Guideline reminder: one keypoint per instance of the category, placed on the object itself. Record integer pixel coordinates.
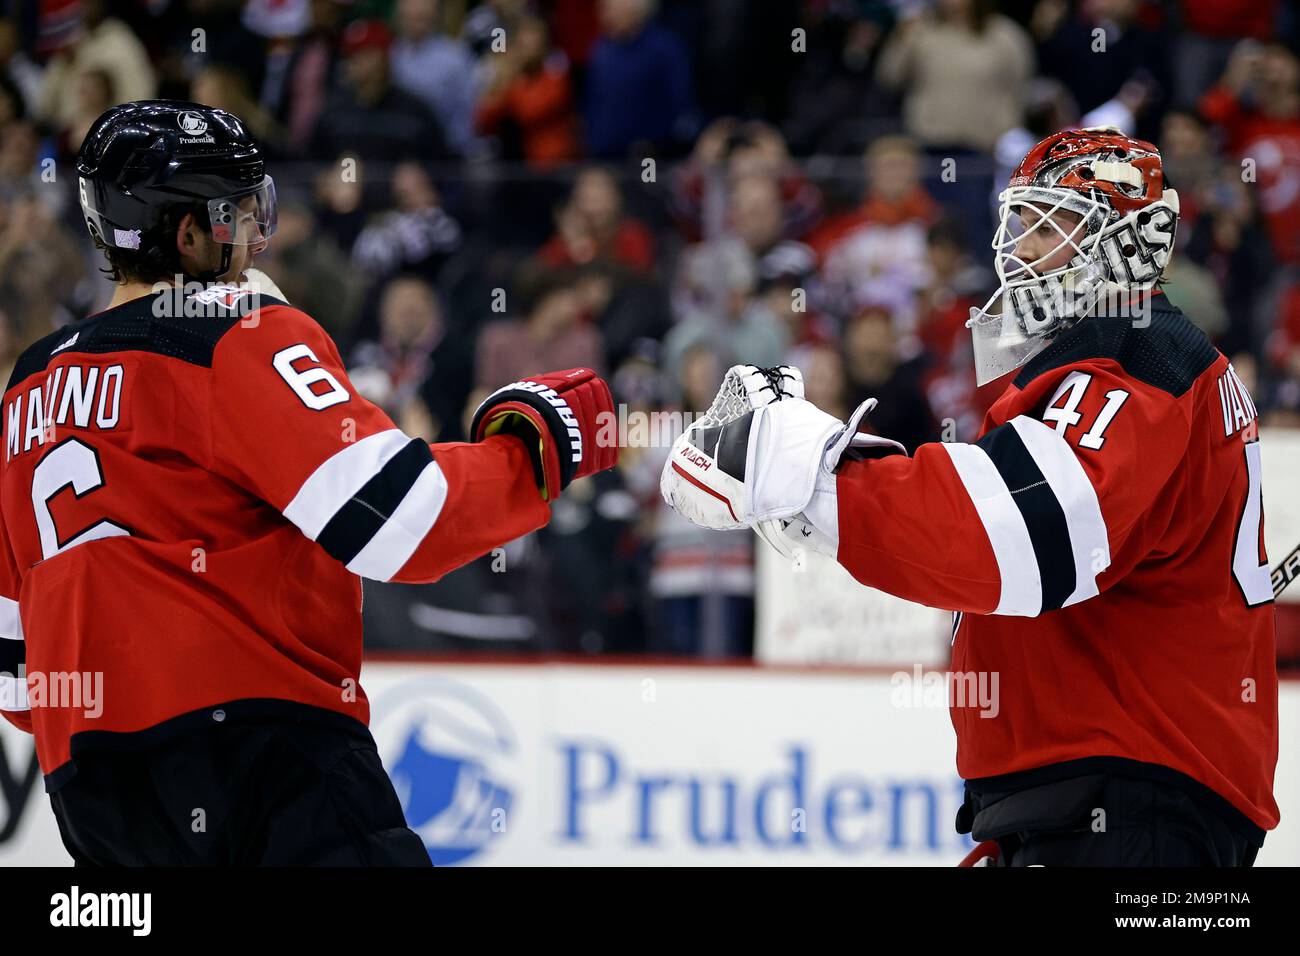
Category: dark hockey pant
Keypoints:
(266, 793)
(1108, 820)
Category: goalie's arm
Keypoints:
(908, 527)
(1028, 519)
(1023, 521)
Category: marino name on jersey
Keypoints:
(84, 396)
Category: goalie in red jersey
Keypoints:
(191, 492)
(1100, 542)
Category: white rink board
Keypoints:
(1280, 455)
(600, 764)
(812, 611)
(606, 763)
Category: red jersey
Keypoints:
(1103, 541)
(189, 504)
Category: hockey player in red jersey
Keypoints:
(191, 491)
(1100, 542)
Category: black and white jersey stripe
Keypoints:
(371, 504)
(13, 655)
(1040, 512)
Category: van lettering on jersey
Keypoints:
(1238, 409)
(78, 396)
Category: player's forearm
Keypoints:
(908, 528)
(492, 498)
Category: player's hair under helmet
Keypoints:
(1102, 199)
(141, 160)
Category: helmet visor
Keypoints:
(246, 218)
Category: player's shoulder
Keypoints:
(1157, 346)
(37, 356)
(274, 326)
(177, 323)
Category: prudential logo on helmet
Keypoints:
(193, 126)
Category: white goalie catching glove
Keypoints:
(764, 457)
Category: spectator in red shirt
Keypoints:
(591, 226)
(876, 252)
(895, 196)
(727, 152)
(531, 94)
(1257, 104)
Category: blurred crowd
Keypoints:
(473, 191)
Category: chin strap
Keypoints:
(211, 275)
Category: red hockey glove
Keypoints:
(558, 417)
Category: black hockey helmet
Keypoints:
(140, 159)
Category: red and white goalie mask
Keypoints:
(1087, 218)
